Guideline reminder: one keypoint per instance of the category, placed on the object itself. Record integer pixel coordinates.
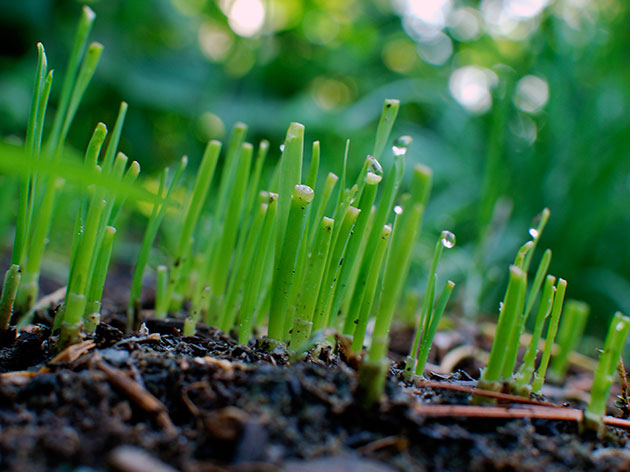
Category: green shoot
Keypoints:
(312, 283)
(431, 329)
(251, 296)
(385, 124)
(9, 291)
(322, 200)
(524, 375)
(606, 367)
(556, 311)
(93, 308)
(161, 292)
(538, 225)
(446, 240)
(193, 210)
(569, 334)
(153, 225)
(511, 309)
(285, 266)
(367, 290)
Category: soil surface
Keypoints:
(158, 401)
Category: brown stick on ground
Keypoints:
(138, 395)
(498, 412)
(484, 393)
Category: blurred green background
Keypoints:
(515, 104)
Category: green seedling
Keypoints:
(605, 373)
(446, 240)
(569, 334)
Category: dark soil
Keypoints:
(158, 401)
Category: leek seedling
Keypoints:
(446, 240)
(285, 266)
(372, 372)
(606, 367)
(312, 284)
(569, 334)
(9, 291)
(95, 293)
(193, 210)
(558, 300)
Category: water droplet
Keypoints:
(400, 145)
(282, 148)
(533, 232)
(500, 306)
(375, 166)
(620, 326)
(447, 239)
(398, 210)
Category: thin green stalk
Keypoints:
(153, 225)
(569, 334)
(383, 211)
(95, 293)
(429, 332)
(322, 199)
(226, 181)
(114, 139)
(241, 268)
(290, 175)
(446, 239)
(354, 253)
(539, 376)
(285, 267)
(161, 292)
(524, 375)
(80, 42)
(23, 220)
(367, 290)
(385, 125)
(9, 291)
(535, 232)
(510, 310)
(605, 373)
(254, 181)
(86, 72)
(541, 272)
(320, 319)
(254, 282)
(313, 276)
(220, 264)
(195, 203)
(311, 178)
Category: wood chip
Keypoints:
(138, 395)
(134, 459)
(72, 353)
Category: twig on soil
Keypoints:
(516, 412)
(484, 393)
(138, 395)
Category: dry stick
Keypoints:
(497, 412)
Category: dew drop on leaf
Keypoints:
(401, 145)
(447, 239)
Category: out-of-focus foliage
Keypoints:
(520, 102)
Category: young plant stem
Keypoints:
(541, 272)
(366, 291)
(525, 372)
(311, 178)
(398, 259)
(240, 270)
(161, 292)
(312, 284)
(320, 318)
(536, 232)
(385, 124)
(429, 332)
(285, 266)
(605, 373)
(511, 308)
(95, 293)
(446, 239)
(9, 291)
(569, 334)
(321, 200)
(256, 275)
(556, 311)
(220, 264)
(153, 225)
(193, 210)
(114, 139)
(354, 253)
